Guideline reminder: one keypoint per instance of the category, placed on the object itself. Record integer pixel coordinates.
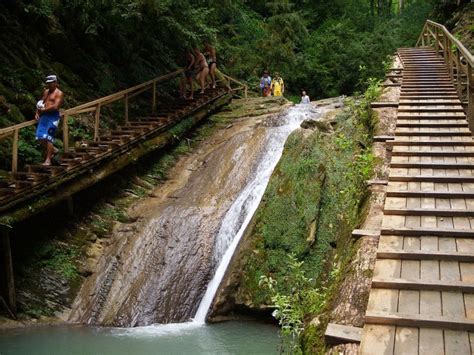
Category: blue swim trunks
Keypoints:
(47, 125)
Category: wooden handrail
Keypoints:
(459, 60)
(465, 52)
(95, 106)
(242, 86)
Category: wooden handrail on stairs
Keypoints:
(96, 106)
(458, 58)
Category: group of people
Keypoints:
(200, 67)
(276, 87)
(269, 87)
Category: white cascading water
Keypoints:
(242, 210)
(238, 217)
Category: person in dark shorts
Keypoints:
(48, 116)
(190, 72)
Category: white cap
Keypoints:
(51, 79)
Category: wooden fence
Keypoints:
(459, 60)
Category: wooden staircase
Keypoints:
(422, 296)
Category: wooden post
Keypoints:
(7, 266)
(65, 134)
(449, 61)
(153, 99)
(437, 40)
(423, 37)
(126, 108)
(245, 91)
(458, 73)
(470, 97)
(97, 120)
(15, 151)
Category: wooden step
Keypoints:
(431, 143)
(431, 116)
(444, 166)
(433, 133)
(425, 102)
(418, 320)
(403, 153)
(422, 285)
(53, 170)
(428, 232)
(431, 125)
(428, 212)
(405, 108)
(424, 255)
(31, 176)
(431, 178)
(427, 96)
(430, 194)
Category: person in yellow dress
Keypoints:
(278, 85)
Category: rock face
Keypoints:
(157, 268)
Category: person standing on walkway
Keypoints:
(48, 116)
(189, 73)
(266, 84)
(202, 68)
(278, 85)
(211, 57)
(305, 98)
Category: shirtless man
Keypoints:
(211, 61)
(201, 68)
(47, 115)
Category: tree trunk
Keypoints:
(400, 6)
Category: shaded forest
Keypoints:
(328, 48)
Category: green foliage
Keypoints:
(59, 258)
(290, 309)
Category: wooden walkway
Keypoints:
(422, 296)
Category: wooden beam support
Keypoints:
(358, 233)
(7, 269)
(381, 104)
(341, 334)
(383, 138)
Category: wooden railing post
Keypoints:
(437, 40)
(458, 73)
(126, 108)
(97, 120)
(423, 36)
(65, 133)
(153, 99)
(7, 271)
(470, 97)
(15, 151)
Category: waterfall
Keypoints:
(242, 210)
